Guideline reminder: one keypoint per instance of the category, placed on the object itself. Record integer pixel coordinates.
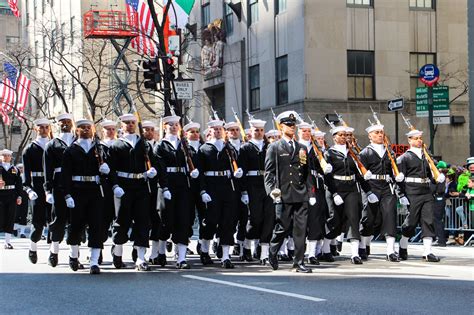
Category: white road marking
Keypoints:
(250, 287)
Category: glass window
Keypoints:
(280, 6)
(228, 20)
(205, 14)
(367, 3)
(254, 85)
(253, 11)
(422, 4)
(418, 60)
(282, 80)
(360, 74)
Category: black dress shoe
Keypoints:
(334, 251)
(273, 260)
(74, 263)
(356, 261)
(247, 255)
(101, 258)
(313, 261)
(189, 252)
(80, 266)
(153, 261)
(33, 256)
(264, 261)
(134, 255)
(206, 259)
(8, 246)
(393, 258)
(339, 246)
(183, 265)
(403, 254)
(162, 260)
(117, 261)
(258, 251)
(53, 259)
(227, 264)
(214, 247)
(284, 257)
(363, 254)
(169, 247)
(327, 257)
(431, 258)
(367, 250)
(198, 248)
(291, 254)
(142, 267)
(43, 237)
(302, 268)
(15, 233)
(219, 252)
(95, 270)
(236, 250)
(22, 235)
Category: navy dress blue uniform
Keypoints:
(9, 193)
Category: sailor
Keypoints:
(22, 210)
(272, 135)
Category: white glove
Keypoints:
(50, 198)
(328, 169)
(372, 198)
(167, 195)
(275, 194)
(118, 192)
(400, 177)
(468, 195)
(404, 201)
(368, 175)
(245, 199)
(312, 201)
(151, 173)
(70, 202)
(104, 169)
(238, 173)
(206, 198)
(194, 173)
(338, 200)
(32, 195)
(441, 178)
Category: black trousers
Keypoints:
(59, 216)
(7, 211)
(175, 216)
(439, 209)
(155, 218)
(21, 216)
(380, 216)
(88, 211)
(345, 217)
(287, 216)
(134, 207)
(261, 218)
(420, 211)
(317, 215)
(242, 217)
(219, 217)
(41, 211)
(108, 213)
(196, 206)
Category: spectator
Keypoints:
(439, 192)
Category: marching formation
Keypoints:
(283, 195)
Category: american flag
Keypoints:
(7, 99)
(14, 6)
(18, 82)
(143, 43)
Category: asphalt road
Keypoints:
(411, 287)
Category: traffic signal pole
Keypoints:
(430, 118)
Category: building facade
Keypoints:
(321, 56)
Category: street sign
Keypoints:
(444, 120)
(396, 104)
(429, 74)
(440, 101)
(184, 90)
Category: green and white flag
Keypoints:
(179, 11)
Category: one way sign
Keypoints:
(396, 104)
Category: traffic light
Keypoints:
(151, 74)
(169, 64)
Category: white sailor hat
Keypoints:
(304, 125)
(350, 130)
(374, 128)
(148, 124)
(171, 119)
(19, 165)
(338, 129)
(206, 131)
(288, 116)
(257, 123)
(83, 121)
(64, 116)
(128, 117)
(318, 133)
(272, 133)
(215, 123)
(231, 124)
(470, 160)
(6, 152)
(42, 121)
(414, 133)
(191, 125)
(108, 123)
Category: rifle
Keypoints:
(241, 127)
(142, 136)
(231, 157)
(251, 117)
(275, 121)
(386, 143)
(434, 170)
(184, 144)
(321, 159)
(97, 147)
(354, 140)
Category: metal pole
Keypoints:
(430, 118)
(396, 127)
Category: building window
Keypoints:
(418, 60)
(280, 6)
(360, 74)
(422, 4)
(229, 20)
(36, 53)
(282, 80)
(365, 3)
(12, 42)
(205, 13)
(254, 82)
(253, 11)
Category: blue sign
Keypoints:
(429, 74)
